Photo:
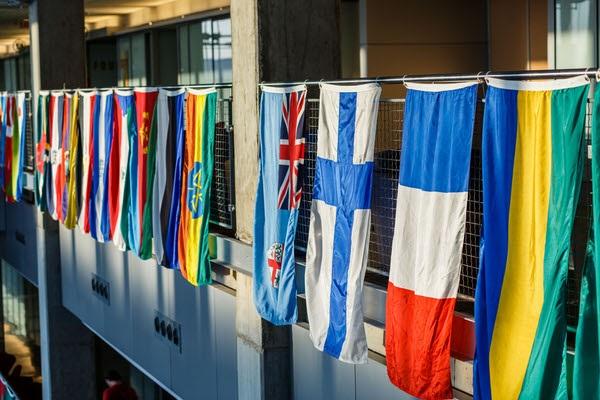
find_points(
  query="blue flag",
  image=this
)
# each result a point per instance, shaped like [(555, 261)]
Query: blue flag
[(277, 201)]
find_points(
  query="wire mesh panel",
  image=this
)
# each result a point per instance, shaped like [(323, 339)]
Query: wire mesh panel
[(29, 160), (222, 193), (387, 163)]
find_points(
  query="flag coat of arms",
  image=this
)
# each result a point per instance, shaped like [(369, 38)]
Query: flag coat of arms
[(139, 147), (586, 364), (198, 163), (118, 172), (2, 138), (70, 155), (532, 149), (277, 202), (86, 120), (167, 180), (340, 220), (55, 117), (41, 151), (431, 208), (102, 131)]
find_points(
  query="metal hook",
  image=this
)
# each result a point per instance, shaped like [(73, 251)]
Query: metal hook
[(586, 74), (403, 80), (479, 80)]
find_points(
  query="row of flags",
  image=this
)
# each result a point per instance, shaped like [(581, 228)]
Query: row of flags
[(532, 156), (133, 167), (13, 124)]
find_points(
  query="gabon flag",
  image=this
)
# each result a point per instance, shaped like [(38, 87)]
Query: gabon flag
[(428, 236)]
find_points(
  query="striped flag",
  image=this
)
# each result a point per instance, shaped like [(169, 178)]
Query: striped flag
[(86, 120), (70, 155), (3, 117), (277, 201), (55, 114), (118, 172), (139, 147), (431, 207), (19, 146), (11, 128), (167, 180), (533, 140), (586, 364), (60, 179), (102, 130), (41, 151), (340, 220), (198, 162)]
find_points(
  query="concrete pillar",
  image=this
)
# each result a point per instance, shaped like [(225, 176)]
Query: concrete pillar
[(272, 40), (67, 346)]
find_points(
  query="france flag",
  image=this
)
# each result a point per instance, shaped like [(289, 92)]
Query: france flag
[(340, 220)]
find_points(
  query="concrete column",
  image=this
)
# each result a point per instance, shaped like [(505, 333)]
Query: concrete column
[(272, 40), (67, 346)]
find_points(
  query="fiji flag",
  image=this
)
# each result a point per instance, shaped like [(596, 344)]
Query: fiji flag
[(340, 221), (277, 201)]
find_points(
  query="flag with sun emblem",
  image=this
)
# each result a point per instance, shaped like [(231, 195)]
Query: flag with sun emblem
[(278, 198), (198, 162)]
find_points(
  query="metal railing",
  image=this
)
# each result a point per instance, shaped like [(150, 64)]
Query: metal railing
[(387, 162)]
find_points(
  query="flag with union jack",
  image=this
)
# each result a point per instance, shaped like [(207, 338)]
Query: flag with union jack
[(277, 202)]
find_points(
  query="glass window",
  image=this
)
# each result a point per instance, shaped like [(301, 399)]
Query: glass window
[(132, 60), (576, 33), (222, 49)]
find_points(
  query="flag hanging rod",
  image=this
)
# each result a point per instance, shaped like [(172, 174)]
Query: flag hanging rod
[(536, 74), (169, 87)]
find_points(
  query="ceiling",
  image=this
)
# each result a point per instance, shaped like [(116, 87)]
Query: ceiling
[(108, 15)]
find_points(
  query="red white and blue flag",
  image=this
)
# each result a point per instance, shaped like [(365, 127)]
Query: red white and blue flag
[(277, 202)]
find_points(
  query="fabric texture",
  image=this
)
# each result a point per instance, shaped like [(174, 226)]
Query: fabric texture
[(428, 236), (340, 220), (532, 165), (278, 197), (86, 120)]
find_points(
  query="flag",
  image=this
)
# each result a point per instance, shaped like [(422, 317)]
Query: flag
[(167, 180), (60, 179), (2, 138), (198, 162), (11, 125), (86, 121), (277, 201), (139, 147), (70, 154), (55, 115), (102, 129), (586, 364), (18, 149), (340, 220), (118, 174), (431, 208), (532, 159), (41, 152)]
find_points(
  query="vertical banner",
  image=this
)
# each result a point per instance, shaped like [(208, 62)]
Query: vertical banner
[(119, 191), (278, 199), (102, 137), (41, 152), (168, 178), (340, 221), (431, 208), (3, 98), (198, 163), (533, 147), (70, 160), (55, 117), (19, 145), (139, 147), (86, 121), (11, 116), (60, 179), (586, 364)]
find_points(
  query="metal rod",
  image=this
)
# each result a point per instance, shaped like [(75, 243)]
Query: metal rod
[(538, 74), (170, 87)]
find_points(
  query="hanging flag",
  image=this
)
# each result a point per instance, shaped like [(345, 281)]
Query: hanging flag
[(70, 154), (139, 147), (2, 138), (55, 114), (41, 152), (340, 221), (60, 179), (86, 121), (118, 184), (18, 157), (431, 208), (586, 364), (533, 138), (198, 162), (277, 201), (11, 124), (102, 136), (167, 180)]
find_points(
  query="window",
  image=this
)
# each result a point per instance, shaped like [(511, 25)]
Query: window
[(131, 50), (576, 33)]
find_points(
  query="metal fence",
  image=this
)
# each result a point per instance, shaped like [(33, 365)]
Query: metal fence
[(387, 162)]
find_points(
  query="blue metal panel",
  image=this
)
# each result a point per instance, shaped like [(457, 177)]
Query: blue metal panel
[(68, 272), (372, 383), (20, 240), (318, 375), (226, 344)]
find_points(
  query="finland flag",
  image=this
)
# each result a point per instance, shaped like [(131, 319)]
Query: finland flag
[(340, 220)]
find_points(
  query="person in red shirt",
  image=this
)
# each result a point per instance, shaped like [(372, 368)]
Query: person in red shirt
[(117, 389)]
